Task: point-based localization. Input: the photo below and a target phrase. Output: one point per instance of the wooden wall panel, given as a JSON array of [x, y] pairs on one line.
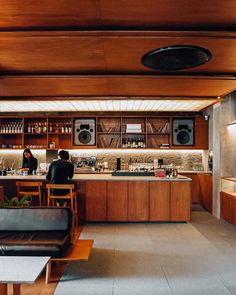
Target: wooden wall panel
[[103, 53], [114, 86], [225, 206], [117, 200], [180, 201], [159, 201], [96, 200], [181, 13], [201, 133], [138, 201], [48, 13], [195, 189], [205, 182]]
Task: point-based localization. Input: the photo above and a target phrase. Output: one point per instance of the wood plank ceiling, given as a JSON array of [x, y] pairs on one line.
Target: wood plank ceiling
[[92, 48]]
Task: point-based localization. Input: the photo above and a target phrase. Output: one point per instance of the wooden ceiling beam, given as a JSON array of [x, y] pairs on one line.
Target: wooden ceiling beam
[[90, 86], [180, 14]]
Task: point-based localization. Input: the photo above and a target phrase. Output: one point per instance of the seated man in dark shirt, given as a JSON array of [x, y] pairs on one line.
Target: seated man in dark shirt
[[59, 172]]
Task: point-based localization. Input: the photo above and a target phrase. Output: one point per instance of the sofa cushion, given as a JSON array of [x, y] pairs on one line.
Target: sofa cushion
[[35, 219], [26, 243]]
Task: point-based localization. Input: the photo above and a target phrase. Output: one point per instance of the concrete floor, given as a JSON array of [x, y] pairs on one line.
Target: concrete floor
[[156, 258]]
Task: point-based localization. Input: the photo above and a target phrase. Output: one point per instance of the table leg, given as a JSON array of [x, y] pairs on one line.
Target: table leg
[[16, 289], [48, 271], [3, 289]]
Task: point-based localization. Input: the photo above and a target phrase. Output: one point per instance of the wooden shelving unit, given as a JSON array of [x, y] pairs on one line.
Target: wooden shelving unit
[[111, 132]]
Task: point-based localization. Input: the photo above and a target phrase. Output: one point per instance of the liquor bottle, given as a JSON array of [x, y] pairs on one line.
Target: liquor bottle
[[45, 127], [123, 143], [50, 127], [70, 128], [36, 127], [57, 128], [40, 127], [66, 128], [128, 143], [62, 128], [29, 128]]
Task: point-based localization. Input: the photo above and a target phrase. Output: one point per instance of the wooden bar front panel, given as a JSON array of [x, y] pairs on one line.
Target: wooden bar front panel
[[180, 201], [138, 201], [205, 182], [96, 199], [225, 206], [195, 189], [159, 201], [117, 200]]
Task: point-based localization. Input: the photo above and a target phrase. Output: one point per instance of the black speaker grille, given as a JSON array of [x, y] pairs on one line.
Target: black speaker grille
[[176, 57]]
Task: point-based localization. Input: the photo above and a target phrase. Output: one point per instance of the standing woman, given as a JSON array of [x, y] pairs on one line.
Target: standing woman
[[29, 163]]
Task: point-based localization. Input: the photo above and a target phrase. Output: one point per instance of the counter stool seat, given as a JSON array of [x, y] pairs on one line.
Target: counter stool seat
[[70, 196], [37, 192]]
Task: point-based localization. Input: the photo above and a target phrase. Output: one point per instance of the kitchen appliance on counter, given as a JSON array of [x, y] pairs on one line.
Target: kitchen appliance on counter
[[83, 164]]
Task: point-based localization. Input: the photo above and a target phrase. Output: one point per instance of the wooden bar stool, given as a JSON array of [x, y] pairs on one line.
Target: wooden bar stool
[[22, 190], [70, 196]]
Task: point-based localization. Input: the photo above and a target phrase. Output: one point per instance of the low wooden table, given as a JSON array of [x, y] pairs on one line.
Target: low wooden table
[[19, 270], [79, 250]]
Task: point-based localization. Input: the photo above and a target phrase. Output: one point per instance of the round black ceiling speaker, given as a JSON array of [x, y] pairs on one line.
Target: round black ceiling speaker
[[176, 57]]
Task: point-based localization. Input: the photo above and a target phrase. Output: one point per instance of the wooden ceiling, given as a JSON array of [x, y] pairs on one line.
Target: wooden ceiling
[[93, 47]]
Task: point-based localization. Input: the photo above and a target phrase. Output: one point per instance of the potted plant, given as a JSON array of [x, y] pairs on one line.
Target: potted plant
[[16, 202]]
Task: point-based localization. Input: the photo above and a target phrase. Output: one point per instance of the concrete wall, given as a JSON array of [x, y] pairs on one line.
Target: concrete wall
[[222, 141]]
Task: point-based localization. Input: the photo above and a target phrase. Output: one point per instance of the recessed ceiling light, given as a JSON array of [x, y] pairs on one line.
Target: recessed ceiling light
[[106, 105]]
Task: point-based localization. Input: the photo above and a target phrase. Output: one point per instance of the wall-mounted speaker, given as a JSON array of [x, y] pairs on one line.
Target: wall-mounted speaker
[[84, 131], [183, 132]]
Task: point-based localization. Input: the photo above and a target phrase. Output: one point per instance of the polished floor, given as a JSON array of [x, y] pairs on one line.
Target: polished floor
[[156, 259]]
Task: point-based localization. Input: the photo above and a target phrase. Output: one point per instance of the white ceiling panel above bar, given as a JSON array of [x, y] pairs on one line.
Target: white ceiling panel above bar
[[106, 105]]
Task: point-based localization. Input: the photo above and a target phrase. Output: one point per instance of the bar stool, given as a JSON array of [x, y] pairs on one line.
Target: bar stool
[[70, 196], [37, 192]]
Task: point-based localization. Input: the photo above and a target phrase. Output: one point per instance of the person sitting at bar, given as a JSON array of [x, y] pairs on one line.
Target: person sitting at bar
[[29, 162], [60, 171]]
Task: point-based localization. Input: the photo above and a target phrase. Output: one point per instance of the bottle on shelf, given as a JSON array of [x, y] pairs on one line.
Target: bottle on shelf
[[69, 127], [45, 127], [39, 127], [66, 128], [62, 128], [50, 127], [29, 130], [57, 128]]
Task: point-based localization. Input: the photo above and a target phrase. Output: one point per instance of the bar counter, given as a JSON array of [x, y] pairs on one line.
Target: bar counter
[[107, 198], [98, 176]]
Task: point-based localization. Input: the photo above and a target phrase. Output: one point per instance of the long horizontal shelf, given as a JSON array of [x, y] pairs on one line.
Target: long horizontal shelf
[[158, 133], [135, 133], [59, 133], [26, 133], [11, 133], [108, 133]]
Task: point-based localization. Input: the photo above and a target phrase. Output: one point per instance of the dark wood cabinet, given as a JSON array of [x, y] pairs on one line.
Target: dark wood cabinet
[[159, 201], [180, 201], [195, 189], [111, 132], [117, 200], [96, 200], [225, 206], [138, 201], [205, 184]]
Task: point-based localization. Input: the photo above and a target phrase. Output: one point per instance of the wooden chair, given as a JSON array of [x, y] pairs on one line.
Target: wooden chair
[[70, 196], [37, 192]]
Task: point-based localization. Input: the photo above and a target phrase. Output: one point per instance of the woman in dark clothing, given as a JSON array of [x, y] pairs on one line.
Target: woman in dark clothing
[[29, 163]]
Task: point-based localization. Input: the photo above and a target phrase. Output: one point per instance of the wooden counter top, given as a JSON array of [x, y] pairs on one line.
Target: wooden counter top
[[101, 177]]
